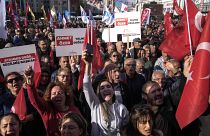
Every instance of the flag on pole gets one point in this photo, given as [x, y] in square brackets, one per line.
[97, 63]
[64, 21]
[26, 16]
[32, 14]
[60, 18]
[177, 43]
[124, 8]
[168, 26]
[145, 16]
[177, 9]
[195, 98]
[44, 13]
[106, 14]
[67, 14]
[116, 10]
[84, 15]
[3, 32]
[53, 12]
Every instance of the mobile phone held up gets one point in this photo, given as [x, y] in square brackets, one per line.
[89, 49]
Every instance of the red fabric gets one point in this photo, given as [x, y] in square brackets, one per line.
[97, 62]
[168, 26]
[178, 10]
[49, 114]
[1, 79]
[10, 8]
[26, 17]
[37, 71]
[177, 44]
[19, 105]
[194, 100]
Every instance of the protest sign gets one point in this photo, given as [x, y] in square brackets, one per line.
[128, 22]
[17, 58]
[112, 36]
[69, 41]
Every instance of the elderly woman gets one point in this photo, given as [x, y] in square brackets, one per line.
[108, 117]
[73, 124]
[56, 101]
[10, 125]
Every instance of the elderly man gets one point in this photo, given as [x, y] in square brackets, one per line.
[134, 82]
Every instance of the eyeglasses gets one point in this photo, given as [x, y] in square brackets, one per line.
[16, 79]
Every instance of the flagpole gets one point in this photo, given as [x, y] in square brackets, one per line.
[188, 28]
[109, 33]
[91, 32]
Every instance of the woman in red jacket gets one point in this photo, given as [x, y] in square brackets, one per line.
[55, 103]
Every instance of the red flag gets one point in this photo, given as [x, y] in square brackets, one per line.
[177, 43]
[10, 8]
[97, 60]
[37, 71]
[26, 17]
[178, 10]
[168, 26]
[19, 106]
[194, 100]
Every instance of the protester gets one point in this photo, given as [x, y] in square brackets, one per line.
[10, 125]
[55, 103]
[108, 117]
[73, 124]
[141, 122]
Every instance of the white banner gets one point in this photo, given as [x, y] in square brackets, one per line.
[113, 35]
[69, 41]
[3, 32]
[17, 58]
[128, 23]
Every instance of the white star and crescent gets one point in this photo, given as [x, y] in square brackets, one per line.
[204, 46]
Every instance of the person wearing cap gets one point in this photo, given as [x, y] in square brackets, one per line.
[136, 47]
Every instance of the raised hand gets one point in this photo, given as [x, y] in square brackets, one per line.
[28, 75]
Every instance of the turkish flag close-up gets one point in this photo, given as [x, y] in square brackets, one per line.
[177, 43]
[194, 100]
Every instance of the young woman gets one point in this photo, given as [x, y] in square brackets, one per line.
[57, 101]
[107, 116]
[73, 124]
[141, 122]
[10, 125]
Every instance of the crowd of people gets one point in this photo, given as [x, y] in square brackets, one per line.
[135, 94]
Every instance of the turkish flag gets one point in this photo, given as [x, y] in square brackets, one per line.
[19, 106]
[97, 62]
[194, 100]
[177, 43]
[168, 26]
[178, 10]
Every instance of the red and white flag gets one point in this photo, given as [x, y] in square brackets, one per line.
[145, 15]
[177, 43]
[124, 8]
[195, 98]
[176, 7]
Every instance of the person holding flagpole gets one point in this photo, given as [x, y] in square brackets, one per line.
[107, 116]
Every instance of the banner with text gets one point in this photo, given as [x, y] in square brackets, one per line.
[128, 23]
[17, 58]
[69, 41]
